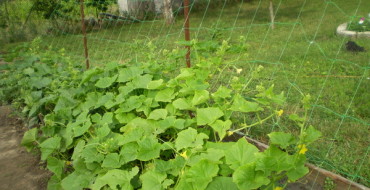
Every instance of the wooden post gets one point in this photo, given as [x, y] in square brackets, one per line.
[272, 16]
[187, 31]
[84, 33]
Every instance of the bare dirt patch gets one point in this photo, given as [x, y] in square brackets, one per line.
[20, 170]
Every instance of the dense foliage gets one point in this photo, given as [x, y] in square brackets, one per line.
[51, 9]
[134, 127]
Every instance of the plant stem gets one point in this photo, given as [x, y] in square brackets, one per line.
[254, 124]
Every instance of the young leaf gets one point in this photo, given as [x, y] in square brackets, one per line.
[208, 115]
[311, 135]
[221, 127]
[282, 139]
[242, 105]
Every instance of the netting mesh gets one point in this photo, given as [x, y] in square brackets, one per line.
[301, 54]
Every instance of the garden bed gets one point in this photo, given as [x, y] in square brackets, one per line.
[342, 31]
[317, 178]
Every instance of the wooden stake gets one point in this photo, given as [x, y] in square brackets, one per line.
[84, 33]
[187, 31]
[272, 16]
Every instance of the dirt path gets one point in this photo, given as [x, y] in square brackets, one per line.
[19, 170]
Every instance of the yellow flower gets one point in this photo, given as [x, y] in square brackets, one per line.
[229, 133]
[68, 163]
[239, 71]
[278, 188]
[280, 112]
[302, 149]
[184, 155]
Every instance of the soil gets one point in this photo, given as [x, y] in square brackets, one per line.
[20, 170]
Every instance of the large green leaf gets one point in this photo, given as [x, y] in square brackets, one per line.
[165, 95]
[181, 104]
[274, 160]
[65, 101]
[158, 114]
[111, 160]
[40, 82]
[141, 81]
[106, 82]
[78, 149]
[149, 149]
[155, 84]
[153, 180]
[199, 176]
[247, 177]
[297, 172]
[128, 74]
[29, 138]
[77, 181]
[131, 103]
[49, 146]
[189, 138]
[104, 99]
[81, 129]
[222, 183]
[200, 96]
[222, 92]
[240, 154]
[56, 166]
[242, 105]
[128, 152]
[208, 115]
[114, 178]
[282, 139]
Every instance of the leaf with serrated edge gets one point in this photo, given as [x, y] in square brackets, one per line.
[208, 115]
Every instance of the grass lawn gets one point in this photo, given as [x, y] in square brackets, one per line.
[301, 55]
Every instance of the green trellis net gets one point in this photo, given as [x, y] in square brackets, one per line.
[300, 53]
